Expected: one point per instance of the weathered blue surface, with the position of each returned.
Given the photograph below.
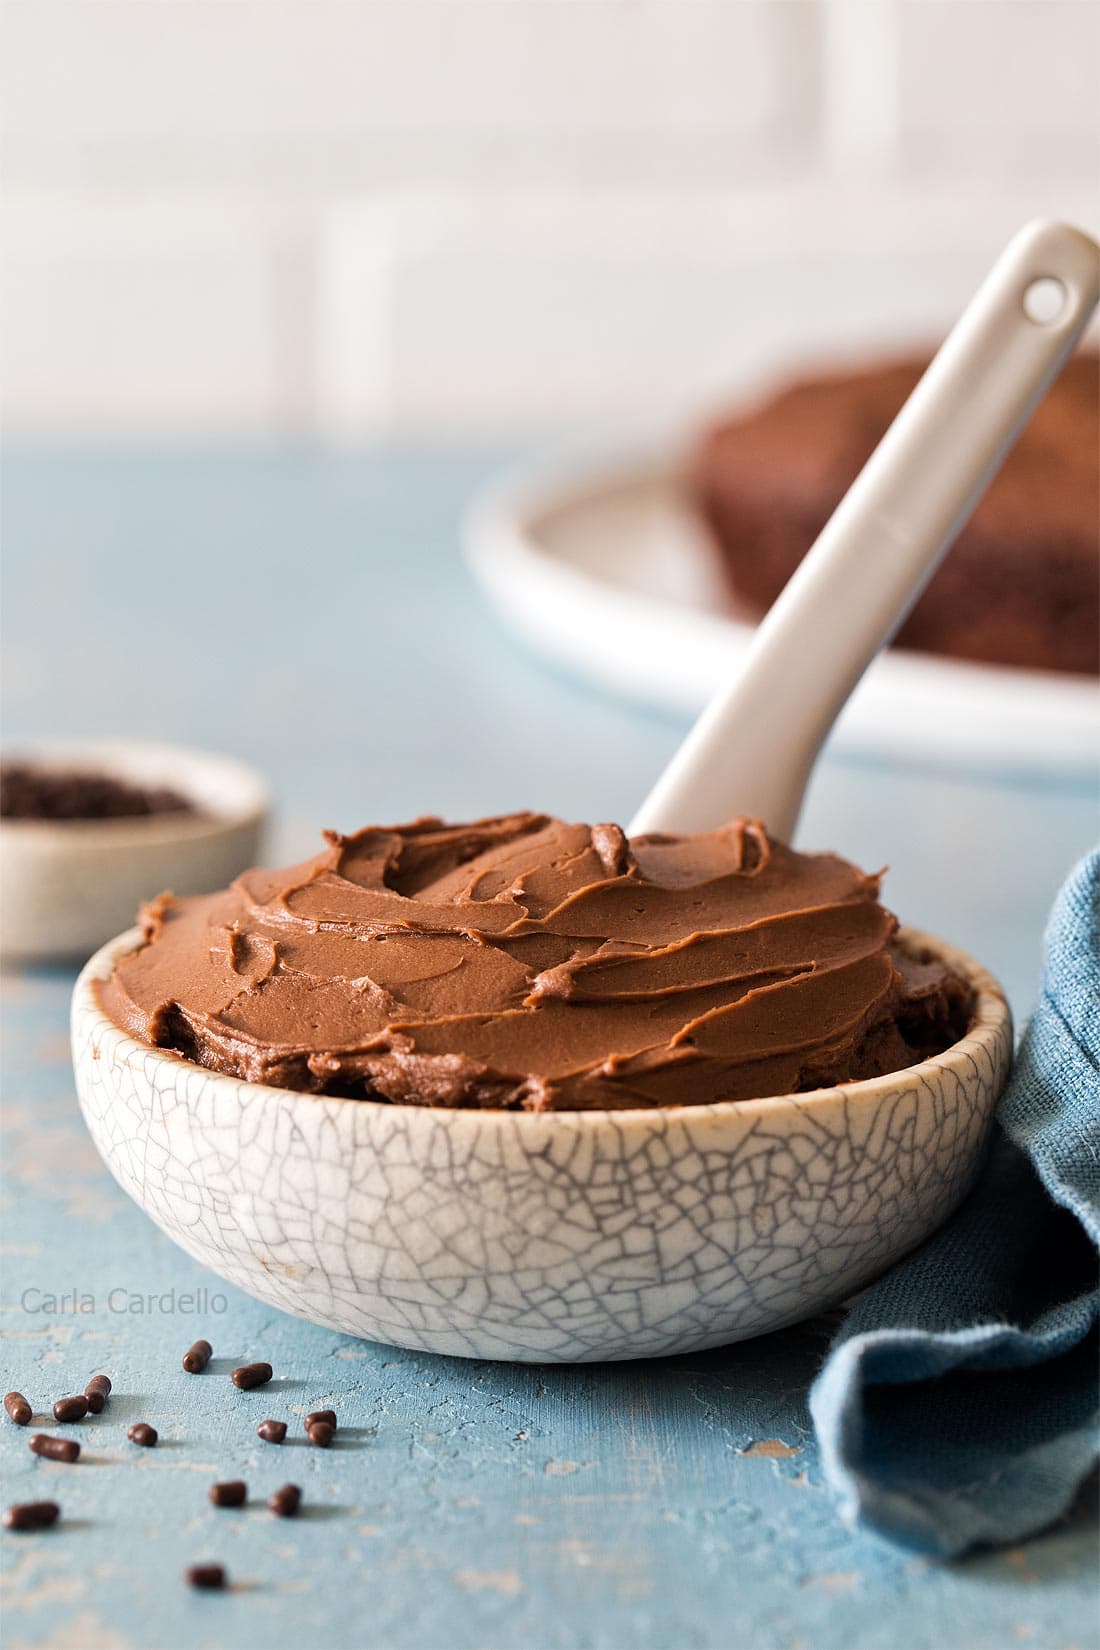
(309, 612)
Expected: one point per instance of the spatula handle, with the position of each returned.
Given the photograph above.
(753, 748)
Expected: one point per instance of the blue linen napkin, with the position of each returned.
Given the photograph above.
(957, 1406)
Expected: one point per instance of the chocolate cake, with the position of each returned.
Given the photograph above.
(1021, 586)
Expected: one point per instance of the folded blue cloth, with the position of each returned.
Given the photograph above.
(958, 1405)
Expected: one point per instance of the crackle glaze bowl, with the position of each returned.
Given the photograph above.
(551, 1238)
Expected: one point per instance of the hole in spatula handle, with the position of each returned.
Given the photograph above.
(1044, 300)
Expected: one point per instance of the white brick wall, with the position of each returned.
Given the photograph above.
(1011, 88)
(371, 216)
(135, 316)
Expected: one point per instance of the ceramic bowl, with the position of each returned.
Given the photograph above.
(66, 885)
(557, 1238)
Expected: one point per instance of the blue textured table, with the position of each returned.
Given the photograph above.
(309, 612)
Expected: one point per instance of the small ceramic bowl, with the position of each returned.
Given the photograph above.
(565, 1237)
(66, 885)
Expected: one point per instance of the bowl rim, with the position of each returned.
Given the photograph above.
(248, 792)
(990, 1022)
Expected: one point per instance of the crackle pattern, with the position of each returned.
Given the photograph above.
(542, 1238)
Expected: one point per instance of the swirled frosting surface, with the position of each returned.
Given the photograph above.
(524, 962)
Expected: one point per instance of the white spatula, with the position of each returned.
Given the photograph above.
(752, 750)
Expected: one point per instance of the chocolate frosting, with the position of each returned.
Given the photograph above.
(524, 962)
